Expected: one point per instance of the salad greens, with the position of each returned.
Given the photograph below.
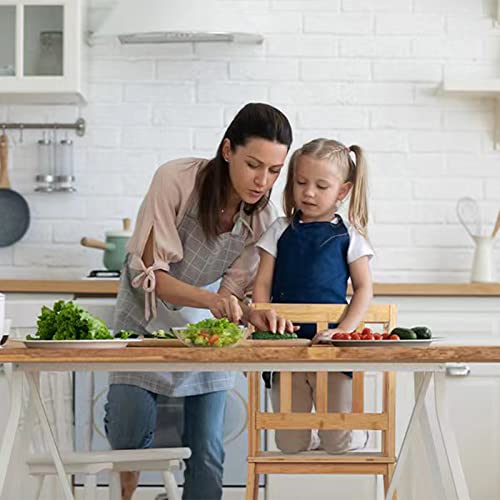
(211, 332)
(126, 334)
(157, 334)
(69, 321)
(162, 334)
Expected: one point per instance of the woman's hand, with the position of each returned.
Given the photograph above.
(269, 321)
(226, 306)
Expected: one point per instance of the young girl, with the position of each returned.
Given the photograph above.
(307, 257)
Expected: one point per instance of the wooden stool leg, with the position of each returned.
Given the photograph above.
(387, 480)
(252, 492)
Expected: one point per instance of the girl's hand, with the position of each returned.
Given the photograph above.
(325, 335)
(226, 306)
(269, 321)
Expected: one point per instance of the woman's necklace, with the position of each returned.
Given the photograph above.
(226, 220)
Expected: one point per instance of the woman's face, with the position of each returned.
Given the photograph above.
(254, 167)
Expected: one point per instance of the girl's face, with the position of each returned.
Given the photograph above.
(317, 188)
(254, 167)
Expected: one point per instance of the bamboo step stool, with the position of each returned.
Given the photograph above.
(262, 462)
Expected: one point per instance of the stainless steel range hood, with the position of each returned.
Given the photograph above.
(175, 21)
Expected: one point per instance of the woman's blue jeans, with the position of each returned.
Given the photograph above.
(130, 422)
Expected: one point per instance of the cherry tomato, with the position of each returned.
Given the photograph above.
(337, 335)
(394, 337)
(377, 336)
(385, 336)
(370, 337)
(355, 336)
(347, 336)
(366, 331)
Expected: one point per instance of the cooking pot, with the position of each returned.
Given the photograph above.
(114, 248)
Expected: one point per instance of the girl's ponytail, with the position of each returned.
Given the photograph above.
(288, 200)
(358, 204)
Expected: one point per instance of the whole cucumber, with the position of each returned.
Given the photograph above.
(273, 336)
(423, 332)
(404, 333)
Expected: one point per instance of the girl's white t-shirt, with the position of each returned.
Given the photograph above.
(358, 244)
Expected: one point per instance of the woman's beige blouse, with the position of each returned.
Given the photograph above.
(169, 196)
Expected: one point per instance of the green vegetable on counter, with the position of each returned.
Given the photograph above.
(69, 321)
(422, 332)
(157, 334)
(126, 334)
(162, 334)
(404, 333)
(273, 336)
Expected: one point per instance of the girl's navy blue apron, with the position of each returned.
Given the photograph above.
(311, 266)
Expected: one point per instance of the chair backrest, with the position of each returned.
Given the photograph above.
(322, 315)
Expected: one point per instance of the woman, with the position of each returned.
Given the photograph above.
(197, 225)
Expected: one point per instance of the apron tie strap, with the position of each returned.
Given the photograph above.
(147, 280)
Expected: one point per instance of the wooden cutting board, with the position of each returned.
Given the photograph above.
(276, 343)
(157, 343)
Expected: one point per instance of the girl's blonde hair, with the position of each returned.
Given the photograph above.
(349, 171)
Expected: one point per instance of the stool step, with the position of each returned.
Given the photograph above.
(114, 456)
(321, 457)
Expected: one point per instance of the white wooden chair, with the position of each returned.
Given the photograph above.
(90, 464)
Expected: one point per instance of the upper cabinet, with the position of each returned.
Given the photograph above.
(42, 51)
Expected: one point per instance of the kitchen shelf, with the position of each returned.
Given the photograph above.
(477, 88)
(473, 87)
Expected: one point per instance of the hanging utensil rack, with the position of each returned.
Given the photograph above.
(79, 126)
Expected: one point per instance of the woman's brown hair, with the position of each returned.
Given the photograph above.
(255, 120)
(350, 171)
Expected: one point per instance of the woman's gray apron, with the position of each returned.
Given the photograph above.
(203, 265)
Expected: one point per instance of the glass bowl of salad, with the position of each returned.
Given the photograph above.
(210, 333)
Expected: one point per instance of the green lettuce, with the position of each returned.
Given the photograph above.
(69, 321)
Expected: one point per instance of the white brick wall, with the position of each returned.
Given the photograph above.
(361, 71)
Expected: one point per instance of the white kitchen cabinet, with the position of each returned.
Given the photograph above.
(42, 51)
(476, 427)
(23, 310)
(473, 397)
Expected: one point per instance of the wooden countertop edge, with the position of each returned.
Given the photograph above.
(90, 287)
(110, 288)
(436, 354)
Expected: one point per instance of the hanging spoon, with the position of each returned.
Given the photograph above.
(469, 215)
